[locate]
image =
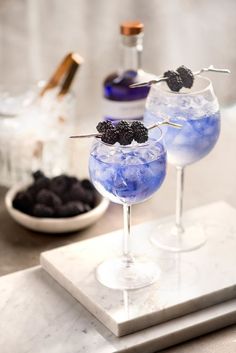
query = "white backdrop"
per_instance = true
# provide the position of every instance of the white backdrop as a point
(35, 34)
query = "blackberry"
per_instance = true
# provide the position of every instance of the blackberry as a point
(110, 136)
(78, 193)
(86, 184)
(126, 137)
(60, 184)
(102, 126)
(40, 210)
(48, 198)
(32, 191)
(70, 209)
(173, 81)
(23, 202)
(72, 180)
(41, 183)
(140, 132)
(122, 125)
(38, 174)
(96, 199)
(125, 133)
(186, 75)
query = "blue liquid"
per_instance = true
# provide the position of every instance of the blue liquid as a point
(130, 175)
(193, 141)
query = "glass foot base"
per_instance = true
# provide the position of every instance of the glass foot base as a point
(167, 237)
(119, 274)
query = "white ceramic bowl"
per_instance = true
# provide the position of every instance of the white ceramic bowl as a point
(53, 225)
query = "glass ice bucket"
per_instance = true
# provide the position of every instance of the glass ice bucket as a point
(34, 132)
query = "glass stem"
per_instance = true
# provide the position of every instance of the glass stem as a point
(127, 234)
(179, 200)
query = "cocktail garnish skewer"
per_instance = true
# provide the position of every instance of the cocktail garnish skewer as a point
(164, 122)
(86, 135)
(211, 68)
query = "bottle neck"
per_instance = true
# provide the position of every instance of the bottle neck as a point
(132, 47)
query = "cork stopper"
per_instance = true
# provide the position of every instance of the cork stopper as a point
(131, 28)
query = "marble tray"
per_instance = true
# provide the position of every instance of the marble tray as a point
(38, 316)
(190, 282)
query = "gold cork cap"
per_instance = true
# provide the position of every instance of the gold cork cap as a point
(131, 28)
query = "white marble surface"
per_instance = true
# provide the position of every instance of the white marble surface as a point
(38, 316)
(189, 282)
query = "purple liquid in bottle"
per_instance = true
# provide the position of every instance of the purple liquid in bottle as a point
(120, 101)
(116, 87)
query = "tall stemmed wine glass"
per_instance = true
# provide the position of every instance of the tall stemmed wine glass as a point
(197, 110)
(127, 175)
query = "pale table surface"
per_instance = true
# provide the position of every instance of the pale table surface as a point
(209, 180)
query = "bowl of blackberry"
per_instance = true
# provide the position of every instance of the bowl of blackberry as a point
(61, 204)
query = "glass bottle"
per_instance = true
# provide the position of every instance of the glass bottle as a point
(121, 101)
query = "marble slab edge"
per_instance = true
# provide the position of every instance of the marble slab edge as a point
(175, 312)
(181, 329)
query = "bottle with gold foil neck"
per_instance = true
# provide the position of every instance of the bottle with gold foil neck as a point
(120, 101)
